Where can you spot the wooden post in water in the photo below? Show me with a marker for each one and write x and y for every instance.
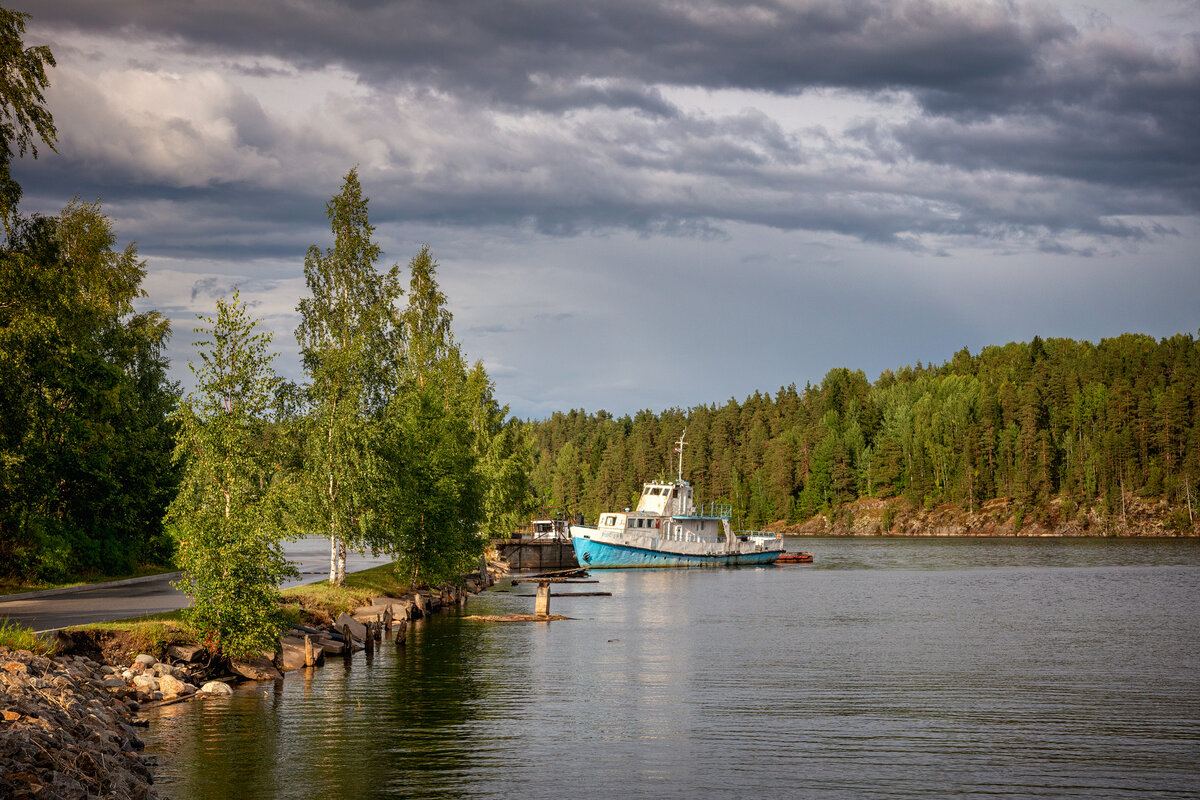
(378, 629)
(387, 618)
(401, 632)
(348, 645)
(309, 657)
(370, 638)
(541, 606)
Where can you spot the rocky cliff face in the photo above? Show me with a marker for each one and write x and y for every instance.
(999, 517)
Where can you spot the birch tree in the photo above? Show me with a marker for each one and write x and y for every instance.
(350, 342)
(433, 500)
(229, 516)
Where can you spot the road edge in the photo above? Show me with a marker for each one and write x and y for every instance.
(85, 587)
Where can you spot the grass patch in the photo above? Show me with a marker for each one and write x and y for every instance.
(18, 637)
(322, 602)
(150, 634)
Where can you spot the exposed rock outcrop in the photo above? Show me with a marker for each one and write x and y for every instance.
(1001, 516)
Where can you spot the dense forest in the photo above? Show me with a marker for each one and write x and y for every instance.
(1056, 419)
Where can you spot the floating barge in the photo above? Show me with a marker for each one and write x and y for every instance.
(794, 558)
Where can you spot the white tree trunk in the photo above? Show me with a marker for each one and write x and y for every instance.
(333, 553)
(341, 563)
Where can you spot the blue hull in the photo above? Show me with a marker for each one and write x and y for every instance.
(599, 555)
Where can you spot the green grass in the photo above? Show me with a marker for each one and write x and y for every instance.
(315, 601)
(18, 637)
(149, 634)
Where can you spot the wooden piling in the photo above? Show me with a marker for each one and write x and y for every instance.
(387, 618)
(309, 657)
(377, 628)
(348, 645)
(541, 606)
(369, 640)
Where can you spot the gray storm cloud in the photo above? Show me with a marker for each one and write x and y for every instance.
(1001, 134)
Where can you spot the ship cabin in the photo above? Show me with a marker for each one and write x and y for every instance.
(667, 511)
(667, 499)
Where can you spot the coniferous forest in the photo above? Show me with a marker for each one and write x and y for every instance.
(1084, 425)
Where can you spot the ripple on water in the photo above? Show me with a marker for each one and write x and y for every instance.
(893, 669)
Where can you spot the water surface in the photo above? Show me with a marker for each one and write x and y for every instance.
(888, 668)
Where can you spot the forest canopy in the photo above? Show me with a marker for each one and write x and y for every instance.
(1028, 421)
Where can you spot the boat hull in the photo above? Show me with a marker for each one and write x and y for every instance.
(592, 554)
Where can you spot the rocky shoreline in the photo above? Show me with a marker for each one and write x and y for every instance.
(68, 728)
(64, 734)
(1002, 516)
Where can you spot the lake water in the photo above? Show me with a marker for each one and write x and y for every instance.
(888, 668)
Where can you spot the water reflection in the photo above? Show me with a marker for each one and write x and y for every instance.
(892, 668)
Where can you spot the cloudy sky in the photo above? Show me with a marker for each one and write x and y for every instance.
(653, 203)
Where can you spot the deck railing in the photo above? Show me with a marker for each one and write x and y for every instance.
(710, 510)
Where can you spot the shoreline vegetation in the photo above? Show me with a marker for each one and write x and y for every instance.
(70, 705)
(1059, 436)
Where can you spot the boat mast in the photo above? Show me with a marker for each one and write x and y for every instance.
(679, 449)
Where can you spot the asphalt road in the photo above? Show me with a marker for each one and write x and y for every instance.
(311, 556)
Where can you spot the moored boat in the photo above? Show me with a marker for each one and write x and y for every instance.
(668, 530)
(795, 558)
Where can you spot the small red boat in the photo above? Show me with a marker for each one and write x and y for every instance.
(794, 558)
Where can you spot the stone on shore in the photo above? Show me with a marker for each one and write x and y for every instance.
(357, 629)
(65, 737)
(293, 653)
(145, 660)
(256, 669)
(171, 686)
(146, 683)
(185, 652)
(217, 688)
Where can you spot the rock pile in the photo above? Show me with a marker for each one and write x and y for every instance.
(63, 734)
(148, 679)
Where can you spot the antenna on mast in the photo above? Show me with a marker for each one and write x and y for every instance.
(679, 449)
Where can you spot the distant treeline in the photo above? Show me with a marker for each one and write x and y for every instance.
(1031, 421)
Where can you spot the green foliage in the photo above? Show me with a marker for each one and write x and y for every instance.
(85, 442)
(350, 342)
(24, 118)
(503, 458)
(1027, 421)
(432, 492)
(889, 518)
(432, 502)
(230, 513)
